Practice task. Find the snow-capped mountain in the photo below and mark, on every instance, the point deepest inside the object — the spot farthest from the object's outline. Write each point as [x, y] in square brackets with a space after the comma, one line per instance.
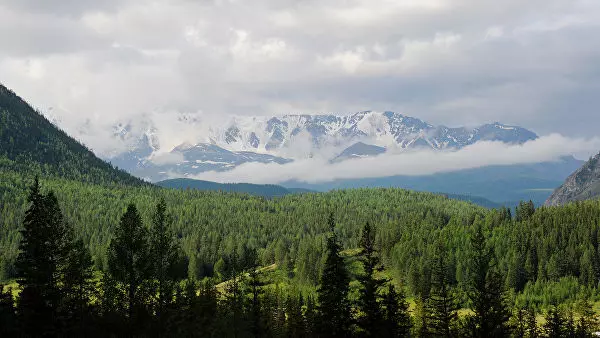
[281, 139]
[271, 134]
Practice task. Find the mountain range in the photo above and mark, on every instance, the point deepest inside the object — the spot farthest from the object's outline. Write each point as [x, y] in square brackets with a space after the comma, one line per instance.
[282, 139]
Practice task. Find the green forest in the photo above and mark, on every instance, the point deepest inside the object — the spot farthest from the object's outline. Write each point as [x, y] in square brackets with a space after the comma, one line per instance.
[88, 250]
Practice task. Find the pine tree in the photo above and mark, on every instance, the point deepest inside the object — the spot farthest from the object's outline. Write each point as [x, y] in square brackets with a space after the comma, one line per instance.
[234, 306]
[396, 319]
[442, 304]
[370, 321]
[486, 292]
[310, 317]
[295, 320]
[334, 316]
[41, 252]
[531, 327]
[588, 320]
[166, 260]
[8, 316]
[257, 323]
[129, 261]
[78, 288]
[555, 326]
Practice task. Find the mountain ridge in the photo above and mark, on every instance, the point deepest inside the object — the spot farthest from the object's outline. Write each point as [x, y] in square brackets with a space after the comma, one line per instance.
[583, 184]
[31, 144]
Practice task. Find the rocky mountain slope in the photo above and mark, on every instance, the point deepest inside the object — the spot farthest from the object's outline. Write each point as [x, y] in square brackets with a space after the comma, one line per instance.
[581, 185]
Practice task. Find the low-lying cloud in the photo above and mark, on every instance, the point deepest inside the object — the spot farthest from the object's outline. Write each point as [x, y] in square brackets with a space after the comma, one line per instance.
[411, 163]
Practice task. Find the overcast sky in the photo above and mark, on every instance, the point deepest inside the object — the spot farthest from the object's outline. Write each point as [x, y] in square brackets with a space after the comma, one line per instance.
[534, 63]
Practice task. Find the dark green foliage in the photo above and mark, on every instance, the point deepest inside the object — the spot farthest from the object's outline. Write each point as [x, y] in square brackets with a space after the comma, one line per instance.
[167, 262]
[78, 289]
[40, 256]
[334, 318]
[396, 319]
[555, 326]
[264, 190]
[442, 305]
[486, 292]
[31, 145]
[8, 316]
[371, 315]
[129, 260]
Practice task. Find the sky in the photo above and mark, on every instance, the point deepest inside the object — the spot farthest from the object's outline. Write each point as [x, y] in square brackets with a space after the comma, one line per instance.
[90, 63]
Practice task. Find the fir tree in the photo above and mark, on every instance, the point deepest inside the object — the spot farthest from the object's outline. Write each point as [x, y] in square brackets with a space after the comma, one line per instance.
[8, 317]
[78, 289]
[588, 320]
[334, 317]
[370, 321]
[442, 304]
[555, 326]
[258, 326]
[396, 319]
[166, 259]
[295, 320]
[129, 260]
[486, 292]
[41, 252]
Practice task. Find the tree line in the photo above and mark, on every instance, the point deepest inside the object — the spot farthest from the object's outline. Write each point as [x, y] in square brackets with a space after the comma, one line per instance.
[145, 290]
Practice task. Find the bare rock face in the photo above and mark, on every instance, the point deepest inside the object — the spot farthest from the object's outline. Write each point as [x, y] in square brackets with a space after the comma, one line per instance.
[583, 184]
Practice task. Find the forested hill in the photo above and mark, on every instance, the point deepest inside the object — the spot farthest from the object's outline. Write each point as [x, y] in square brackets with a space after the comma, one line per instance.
[30, 144]
[581, 185]
[264, 190]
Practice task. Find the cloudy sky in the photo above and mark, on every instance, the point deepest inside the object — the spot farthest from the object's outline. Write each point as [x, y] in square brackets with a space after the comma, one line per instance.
[456, 62]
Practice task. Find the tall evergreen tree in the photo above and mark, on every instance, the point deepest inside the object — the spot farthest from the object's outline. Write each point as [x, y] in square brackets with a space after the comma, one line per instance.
[129, 260]
[41, 252]
[78, 289]
[396, 319]
[486, 292]
[295, 320]
[555, 326]
[258, 326]
[442, 304]
[8, 317]
[166, 259]
[370, 320]
[334, 316]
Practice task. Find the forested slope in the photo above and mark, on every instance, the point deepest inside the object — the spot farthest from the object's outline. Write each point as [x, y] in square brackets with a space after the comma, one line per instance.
[533, 249]
[30, 144]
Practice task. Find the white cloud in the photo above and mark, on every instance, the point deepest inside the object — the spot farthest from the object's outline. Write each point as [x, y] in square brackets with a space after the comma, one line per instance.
[454, 62]
[410, 163]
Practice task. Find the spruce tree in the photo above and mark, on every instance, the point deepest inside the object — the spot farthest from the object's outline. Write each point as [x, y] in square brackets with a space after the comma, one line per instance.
[166, 259]
[371, 318]
[442, 304]
[41, 253]
[78, 288]
[129, 261]
[486, 292]
[555, 326]
[8, 316]
[396, 319]
[295, 320]
[334, 316]
[310, 317]
[256, 321]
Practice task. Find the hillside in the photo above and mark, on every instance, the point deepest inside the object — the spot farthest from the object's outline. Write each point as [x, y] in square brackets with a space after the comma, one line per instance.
[503, 185]
[264, 190]
[31, 145]
[583, 184]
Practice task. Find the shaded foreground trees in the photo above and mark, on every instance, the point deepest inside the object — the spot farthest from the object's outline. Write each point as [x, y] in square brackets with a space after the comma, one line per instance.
[143, 291]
